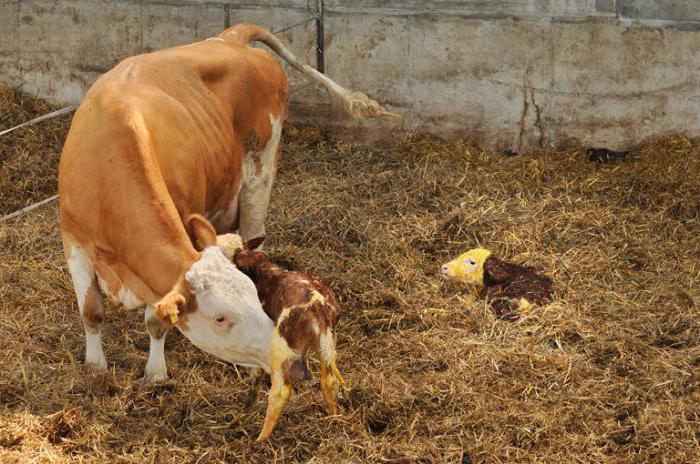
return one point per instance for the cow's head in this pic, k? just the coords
(222, 314)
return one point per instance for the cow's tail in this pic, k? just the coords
(357, 104)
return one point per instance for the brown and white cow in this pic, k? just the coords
(305, 312)
(165, 150)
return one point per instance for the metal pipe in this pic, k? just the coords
(320, 61)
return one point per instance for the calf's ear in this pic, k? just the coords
(201, 231)
(255, 242)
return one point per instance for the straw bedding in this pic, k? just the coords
(28, 156)
(608, 372)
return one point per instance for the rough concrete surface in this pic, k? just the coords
(518, 74)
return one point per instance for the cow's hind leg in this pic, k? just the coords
(330, 376)
(90, 303)
(157, 330)
(259, 174)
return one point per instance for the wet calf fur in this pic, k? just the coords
(305, 312)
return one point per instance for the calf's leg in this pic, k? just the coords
(330, 376)
(281, 388)
(279, 392)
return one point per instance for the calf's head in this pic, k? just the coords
(468, 267)
(221, 313)
(247, 259)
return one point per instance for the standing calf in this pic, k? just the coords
(305, 312)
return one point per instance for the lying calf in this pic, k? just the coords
(510, 289)
(305, 312)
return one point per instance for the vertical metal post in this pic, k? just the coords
(320, 61)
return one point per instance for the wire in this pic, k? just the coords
(26, 209)
(294, 25)
(50, 115)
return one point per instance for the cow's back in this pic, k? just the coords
(157, 138)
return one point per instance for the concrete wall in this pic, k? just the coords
(518, 73)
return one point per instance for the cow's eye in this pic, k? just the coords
(221, 319)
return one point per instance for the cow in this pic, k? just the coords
(166, 150)
(305, 312)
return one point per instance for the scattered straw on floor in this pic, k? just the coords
(28, 156)
(609, 372)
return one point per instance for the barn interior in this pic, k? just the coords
(608, 372)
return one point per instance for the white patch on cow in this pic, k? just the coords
(316, 329)
(124, 296)
(104, 287)
(326, 345)
(82, 273)
(224, 292)
(215, 38)
(94, 354)
(127, 298)
(155, 366)
(266, 156)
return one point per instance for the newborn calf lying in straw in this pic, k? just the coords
(510, 289)
(305, 312)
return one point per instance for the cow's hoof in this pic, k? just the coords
(263, 437)
(98, 363)
(155, 375)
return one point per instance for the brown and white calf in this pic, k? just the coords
(305, 312)
(167, 149)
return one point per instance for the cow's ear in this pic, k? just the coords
(255, 242)
(201, 231)
(170, 306)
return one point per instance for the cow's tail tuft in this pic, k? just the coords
(356, 104)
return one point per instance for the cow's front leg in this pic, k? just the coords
(157, 330)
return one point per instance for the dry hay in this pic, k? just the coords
(28, 156)
(609, 372)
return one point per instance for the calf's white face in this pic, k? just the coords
(229, 321)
